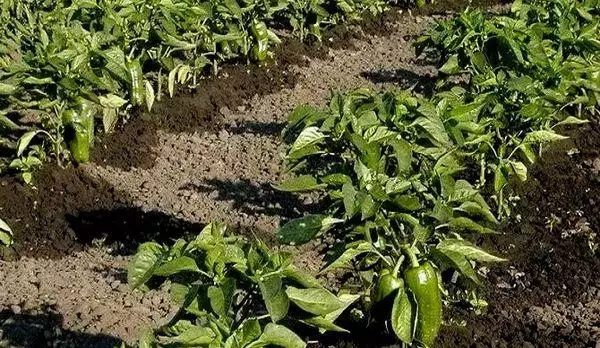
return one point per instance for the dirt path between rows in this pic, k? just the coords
(212, 155)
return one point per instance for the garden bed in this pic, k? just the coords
(212, 155)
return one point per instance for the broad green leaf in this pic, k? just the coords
(451, 66)
(24, 141)
(141, 268)
(572, 120)
(458, 262)
(147, 339)
(542, 137)
(179, 264)
(276, 300)
(195, 336)
(349, 199)
(301, 277)
(403, 316)
(36, 81)
(519, 169)
(308, 137)
(323, 324)
(6, 89)
(278, 335)
(475, 209)
(348, 255)
(466, 224)
(304, 229)
(5, 233)
(217, 300)
(467, 249)
(317, 301)
(109, 119)
(299, 184)
(112, 101)
(326, 323)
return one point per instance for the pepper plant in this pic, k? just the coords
(539, 67)
(233, 293)
(392, 168)
(67, 65)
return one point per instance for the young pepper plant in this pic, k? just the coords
(233, 293)
(390, 166)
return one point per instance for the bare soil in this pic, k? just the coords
(212, 154)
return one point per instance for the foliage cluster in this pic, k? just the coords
(65, 64)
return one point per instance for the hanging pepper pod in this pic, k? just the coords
(79, 124)
(387, 285)
(422, 281)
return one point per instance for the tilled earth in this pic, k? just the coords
(212, 154)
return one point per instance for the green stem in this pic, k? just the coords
(414, 262)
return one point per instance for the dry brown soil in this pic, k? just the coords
(212, 153)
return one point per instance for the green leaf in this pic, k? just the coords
(5, 233)
(111, 101)
(570, 120)
(195, 336)
(348, 255)
(150, 95)
(179, 264)
(304, 229)
(475, 209)
(299, 184)
(451, 66)
(542, 137)
(109, 119)
(141, 268)
(519, 169)
(466, 224)
(278, 335)
(467, 249)
(403, 316)
(458, 262)
(6, 89)
(308, 137)
(147, 339)
(317, 301)
(276, 300)
(24, 141)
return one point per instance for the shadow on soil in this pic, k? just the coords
(70, 210)
(258, 128)
(44, 328)
(254, 198)
(403, 78)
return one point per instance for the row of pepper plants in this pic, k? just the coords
(409, 182)
(65, 64)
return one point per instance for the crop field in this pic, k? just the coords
(299, 173)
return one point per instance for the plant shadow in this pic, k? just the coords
(403, 78)
(255, 198)
(43, 327)
(123, 229)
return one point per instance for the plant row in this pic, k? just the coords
(66, 64)
(409, 184)
(406, 178)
